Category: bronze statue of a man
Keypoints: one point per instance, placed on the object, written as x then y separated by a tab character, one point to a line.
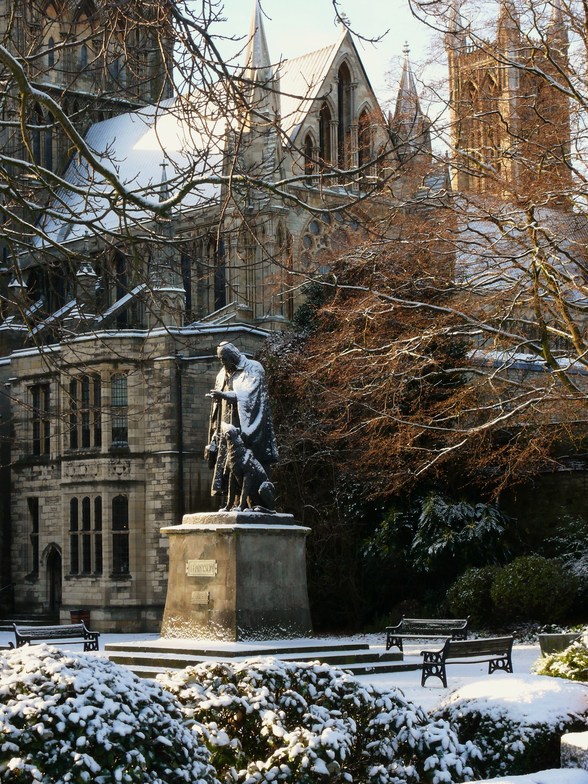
241	441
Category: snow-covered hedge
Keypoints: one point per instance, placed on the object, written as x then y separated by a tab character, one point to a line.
271	721
516	721
571	663
80	718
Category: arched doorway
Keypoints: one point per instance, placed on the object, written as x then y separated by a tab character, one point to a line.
54	577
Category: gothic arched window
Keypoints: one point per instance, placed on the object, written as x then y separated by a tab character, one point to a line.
51	52
325	153
120	285
365	142
344	114
36	134
309	154
284	254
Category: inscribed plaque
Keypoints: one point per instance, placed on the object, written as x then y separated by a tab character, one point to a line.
201	568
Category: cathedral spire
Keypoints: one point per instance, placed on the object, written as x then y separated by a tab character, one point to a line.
258	66
261	86
456	31
164	190
409	123
261	103
407	100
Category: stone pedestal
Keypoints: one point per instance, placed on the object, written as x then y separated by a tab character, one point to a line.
237	576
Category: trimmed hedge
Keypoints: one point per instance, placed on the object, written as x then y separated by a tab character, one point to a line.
79	718
516	721
271	721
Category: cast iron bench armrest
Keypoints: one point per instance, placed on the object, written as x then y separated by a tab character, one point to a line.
426	629
74	633
497	651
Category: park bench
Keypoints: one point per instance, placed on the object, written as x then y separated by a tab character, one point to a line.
497	651
74	633
426	628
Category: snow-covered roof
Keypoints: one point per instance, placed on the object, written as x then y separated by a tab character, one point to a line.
187	134
186	137
495	251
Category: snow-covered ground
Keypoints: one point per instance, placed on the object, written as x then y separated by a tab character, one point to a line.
429	696
522	690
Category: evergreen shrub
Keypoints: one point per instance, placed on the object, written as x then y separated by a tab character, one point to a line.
579	568
265	720
533	588
79	718
572	663
470	595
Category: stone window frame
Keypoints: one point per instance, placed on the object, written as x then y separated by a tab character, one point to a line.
119	410
85	412
85	536
40	395
34	518
121	566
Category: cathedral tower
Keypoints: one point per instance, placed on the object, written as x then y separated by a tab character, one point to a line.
510	128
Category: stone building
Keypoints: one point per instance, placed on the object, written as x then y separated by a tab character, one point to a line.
114	312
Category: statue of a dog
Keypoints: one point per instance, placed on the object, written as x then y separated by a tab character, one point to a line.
249	486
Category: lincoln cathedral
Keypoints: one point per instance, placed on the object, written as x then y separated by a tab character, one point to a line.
185	217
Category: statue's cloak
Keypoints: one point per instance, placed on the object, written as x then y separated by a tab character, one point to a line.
248	383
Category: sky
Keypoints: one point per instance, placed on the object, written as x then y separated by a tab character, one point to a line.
299	26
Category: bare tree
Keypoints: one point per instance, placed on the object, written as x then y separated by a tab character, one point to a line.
490	308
